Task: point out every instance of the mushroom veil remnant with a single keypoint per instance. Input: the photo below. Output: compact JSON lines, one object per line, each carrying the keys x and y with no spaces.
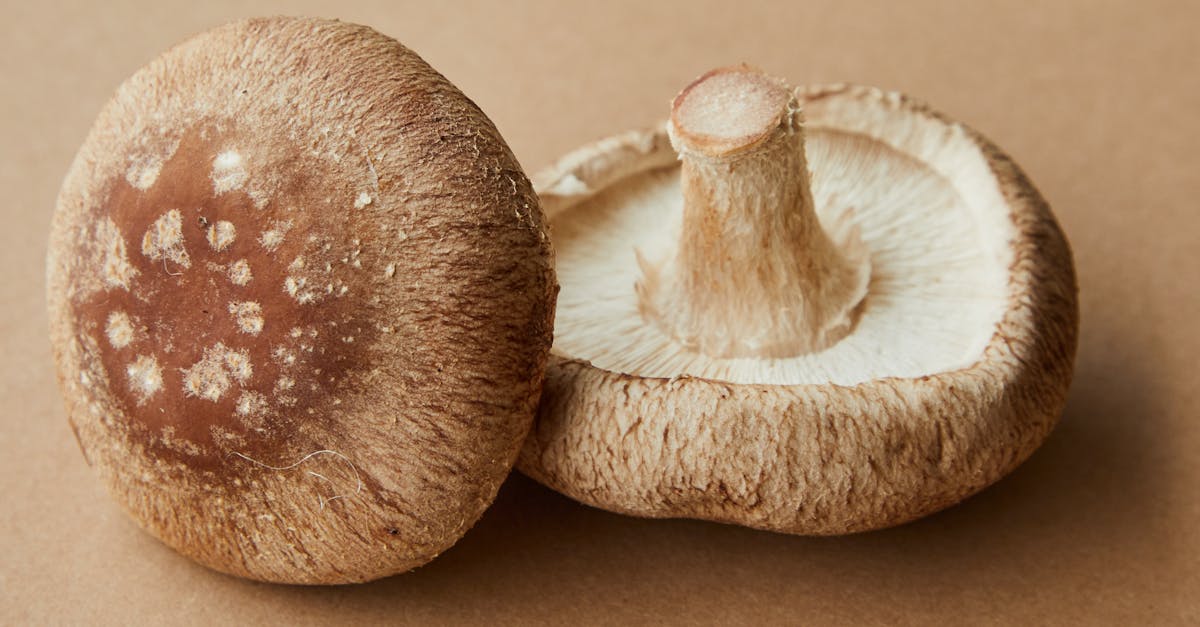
{"x":813,"y":311}
{"x":301,"y":301}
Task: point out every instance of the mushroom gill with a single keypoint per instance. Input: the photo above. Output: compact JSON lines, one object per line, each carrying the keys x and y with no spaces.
{"x":737,"y":264}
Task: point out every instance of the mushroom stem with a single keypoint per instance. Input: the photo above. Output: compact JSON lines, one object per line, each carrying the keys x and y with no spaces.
{"x":754,"y":274}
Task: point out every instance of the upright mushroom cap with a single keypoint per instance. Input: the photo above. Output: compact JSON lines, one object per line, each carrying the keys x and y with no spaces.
{"x":301,"y":302}
{"x":814,"y":311}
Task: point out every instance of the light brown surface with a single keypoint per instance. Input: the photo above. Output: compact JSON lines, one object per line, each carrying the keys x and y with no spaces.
{"x":307,"y":445}
{"x":1097,"y":102}
{"x":803,"y":455}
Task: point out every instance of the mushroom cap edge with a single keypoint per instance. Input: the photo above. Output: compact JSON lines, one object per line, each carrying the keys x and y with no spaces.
{"x":813,"y":459}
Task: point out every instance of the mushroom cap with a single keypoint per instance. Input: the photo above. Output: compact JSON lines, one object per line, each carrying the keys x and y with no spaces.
{"x":932,"y":397}
{"x":301,"y":302}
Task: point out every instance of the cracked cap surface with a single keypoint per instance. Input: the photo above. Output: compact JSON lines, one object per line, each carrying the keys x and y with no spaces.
{"x":301,"y":301}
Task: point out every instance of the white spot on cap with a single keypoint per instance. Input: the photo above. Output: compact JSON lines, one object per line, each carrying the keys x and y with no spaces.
{"x":238,"y":364}
{"x":251,"y":404}
{"x":114,"y":263}
{"x":146,"y":165}
{"x":221,"y":235}
{"x":143,"y":172}
{"x":228,"y":172}
{"x":239,"y":272}
{"x":164,"y":239}
{"x":248,"y":315}
{"x":273,"y":237}
{"x":283,"y":355}
{"x":390,"y":270}
{"x":363,"y":200}
{"x":145,"y":377}
{"x":296,"y":288}
{"x":119,"y":329}
{"x":210,"y":377}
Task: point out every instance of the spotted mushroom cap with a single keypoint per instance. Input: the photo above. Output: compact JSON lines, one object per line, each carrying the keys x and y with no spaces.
{"x":956,"y":369}
{"x":301,"y":302}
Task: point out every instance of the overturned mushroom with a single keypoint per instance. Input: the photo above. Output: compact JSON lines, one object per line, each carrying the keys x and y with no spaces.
{"x":301,"y":302}
{"x":739,"y":342}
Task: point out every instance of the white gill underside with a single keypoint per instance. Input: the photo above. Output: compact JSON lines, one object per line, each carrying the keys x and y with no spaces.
{"x":936,"y":293}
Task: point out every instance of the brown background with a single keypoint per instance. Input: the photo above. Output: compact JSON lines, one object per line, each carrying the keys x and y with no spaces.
{"x":1100,"y":103}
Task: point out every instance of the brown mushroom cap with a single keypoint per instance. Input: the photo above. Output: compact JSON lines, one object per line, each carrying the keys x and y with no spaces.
{"x":301,"y":302}
{"x":936,"y":392}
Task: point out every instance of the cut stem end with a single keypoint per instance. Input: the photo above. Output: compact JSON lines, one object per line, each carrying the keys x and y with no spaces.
{"x":754,"y":274}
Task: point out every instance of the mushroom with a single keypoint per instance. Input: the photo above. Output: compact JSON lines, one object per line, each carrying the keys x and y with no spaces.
{"x":301,"y":302}
{"x":742,"y":341}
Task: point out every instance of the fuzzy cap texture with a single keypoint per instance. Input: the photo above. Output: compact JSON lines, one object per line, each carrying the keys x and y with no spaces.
{"x":819,"y":458}
{"x":301,"y":301}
